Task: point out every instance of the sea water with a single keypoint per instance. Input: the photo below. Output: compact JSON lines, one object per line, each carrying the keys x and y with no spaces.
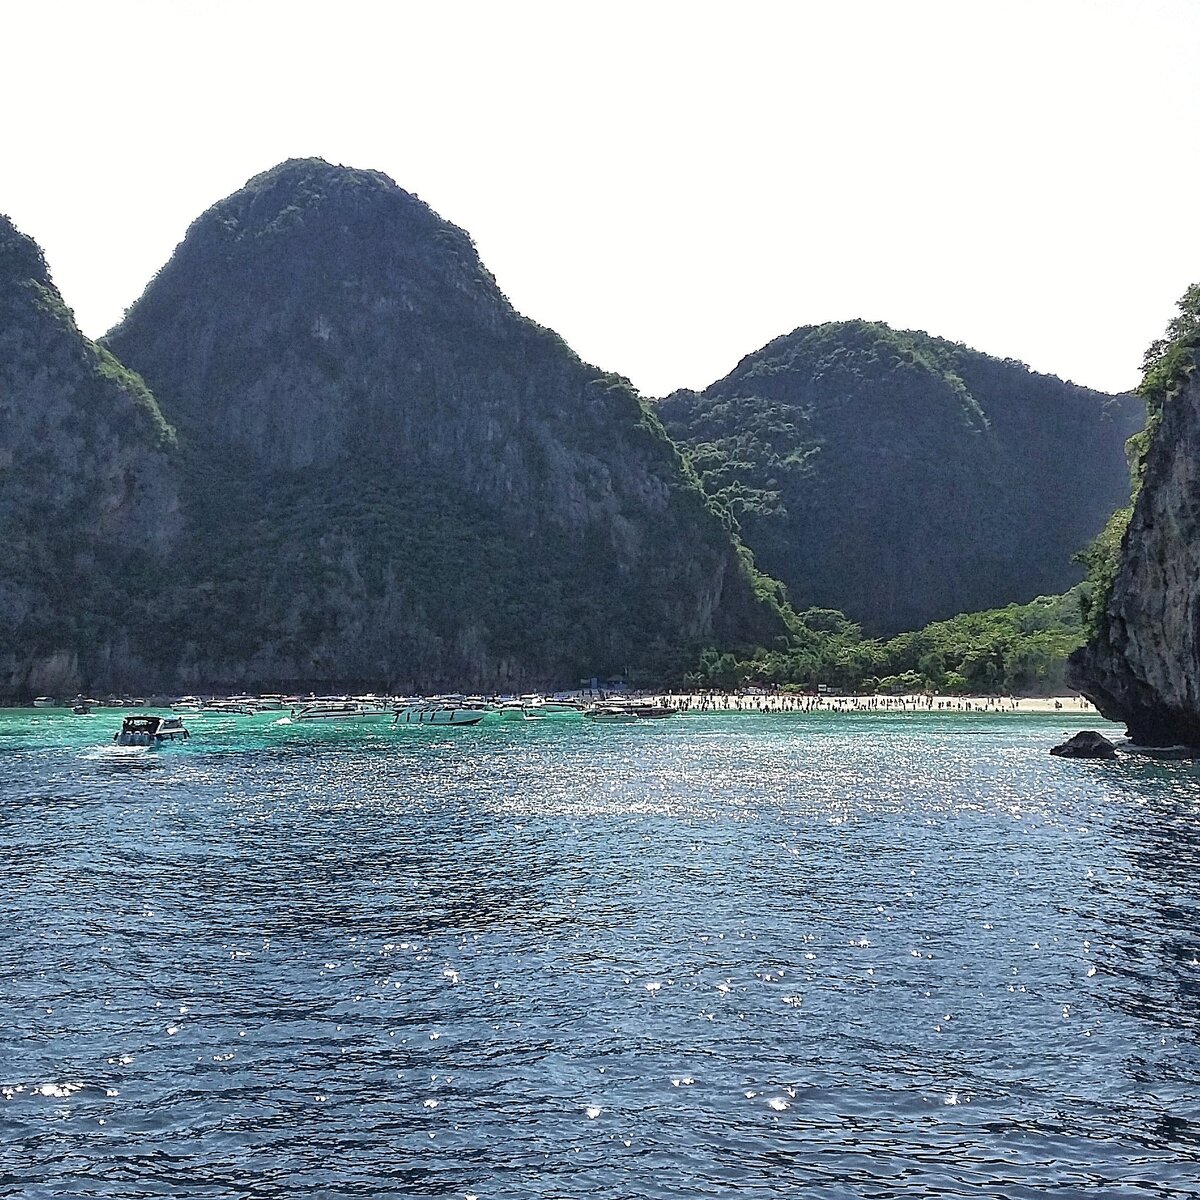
{"x":860,"y":955}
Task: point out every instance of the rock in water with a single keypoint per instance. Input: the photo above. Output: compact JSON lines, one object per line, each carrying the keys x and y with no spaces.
{"x":1142,"y":664}
{"x":393,"y":477}
{"x":89,"y":506}
{"x":1087,"y":743}
{"x":903,"y":478}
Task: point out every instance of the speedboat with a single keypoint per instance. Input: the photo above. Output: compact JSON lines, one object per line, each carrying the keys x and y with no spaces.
{"x":533,"y":708}
{"x":629,"y":710}
{"x":230,"y":705}
{"x":45,"y":702}
{"x":338,"y":710}
{"x":243,"y":705}
{"x":431,"y":713}
{"x":150,"y":731}
{"x":551,"y":707}
{"x":610,"y":712}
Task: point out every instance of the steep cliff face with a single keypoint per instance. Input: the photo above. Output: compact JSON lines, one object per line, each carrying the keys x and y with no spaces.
{"x":1142,"y":665}
{"x":393,"y":477}
{"x":88,"y":496}
{"x":903,"y":478}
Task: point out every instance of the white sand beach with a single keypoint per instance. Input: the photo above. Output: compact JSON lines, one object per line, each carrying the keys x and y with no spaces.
{"x":827,"y":702}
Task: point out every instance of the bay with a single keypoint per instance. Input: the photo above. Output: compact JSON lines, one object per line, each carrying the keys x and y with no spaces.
{"x":871,"y":954}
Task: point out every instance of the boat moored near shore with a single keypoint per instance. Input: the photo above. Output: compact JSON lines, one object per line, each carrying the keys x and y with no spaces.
{"x":533,"y":707}
{"x":339,"y":710}
{"x":432,"y":713}
{"x":630,"y":710}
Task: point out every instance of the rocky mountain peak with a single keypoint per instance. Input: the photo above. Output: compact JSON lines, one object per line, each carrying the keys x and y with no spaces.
{"x":406,"y":468}
{"x":21,"y":258}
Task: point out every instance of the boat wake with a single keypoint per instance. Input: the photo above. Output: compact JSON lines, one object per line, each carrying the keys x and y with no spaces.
{"x":115,"y":754}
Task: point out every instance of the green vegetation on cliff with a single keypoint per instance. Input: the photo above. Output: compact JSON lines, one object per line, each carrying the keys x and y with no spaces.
{"x":88,"y":501}
{"x":901,"y":477}
{"x":1168,"y":364}
{"x":1169,"y":361}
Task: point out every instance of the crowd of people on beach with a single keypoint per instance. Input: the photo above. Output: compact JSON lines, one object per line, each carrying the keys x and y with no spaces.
{"x":716,"y":701}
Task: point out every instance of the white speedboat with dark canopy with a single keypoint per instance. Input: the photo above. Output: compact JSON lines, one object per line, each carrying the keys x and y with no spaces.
{"x":630,"y":710}
{"x":431,"y":712}
{"x":146,"y":730}
{"x":532,"y":708}
{"x":339,"y":710}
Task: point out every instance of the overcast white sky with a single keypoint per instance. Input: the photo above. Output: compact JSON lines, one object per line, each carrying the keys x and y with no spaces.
{"x":668,"y":185}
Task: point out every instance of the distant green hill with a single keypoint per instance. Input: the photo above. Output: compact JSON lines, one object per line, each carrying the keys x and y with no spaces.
{"x":391,"y":478}
{"x":903,"y":478}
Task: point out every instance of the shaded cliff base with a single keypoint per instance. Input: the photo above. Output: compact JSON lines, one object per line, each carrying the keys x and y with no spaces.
{"x":1149,"y":721}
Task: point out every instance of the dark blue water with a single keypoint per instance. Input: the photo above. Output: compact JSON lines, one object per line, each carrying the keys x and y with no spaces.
{"x":752,"y":956}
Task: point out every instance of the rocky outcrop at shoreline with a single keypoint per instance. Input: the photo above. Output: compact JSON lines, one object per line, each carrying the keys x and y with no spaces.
{"x":1087,"y":743}
{"x":1142,"y":665}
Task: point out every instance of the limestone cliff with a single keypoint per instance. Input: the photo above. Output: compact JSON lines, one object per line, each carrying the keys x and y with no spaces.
{"x":1142,"y":664}
{"x":393,"y":478}
{"x":88,"y":498}
{"x":903,"y":478}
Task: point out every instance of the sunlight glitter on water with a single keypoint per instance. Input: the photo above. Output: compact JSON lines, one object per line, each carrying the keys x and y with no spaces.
{"x":742,"y":943}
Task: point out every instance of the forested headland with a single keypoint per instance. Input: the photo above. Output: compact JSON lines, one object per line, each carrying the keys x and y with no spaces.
{"x":322,"y":451}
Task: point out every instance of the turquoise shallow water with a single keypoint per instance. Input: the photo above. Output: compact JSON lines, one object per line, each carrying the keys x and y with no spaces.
{"x":755,"y":956}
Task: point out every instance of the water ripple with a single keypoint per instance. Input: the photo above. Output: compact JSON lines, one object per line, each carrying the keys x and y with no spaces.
{"x":718,"y":956}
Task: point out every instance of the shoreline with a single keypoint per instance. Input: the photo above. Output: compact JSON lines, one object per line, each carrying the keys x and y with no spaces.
{"x":850,"y":703}
{"x":744,"y":702}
